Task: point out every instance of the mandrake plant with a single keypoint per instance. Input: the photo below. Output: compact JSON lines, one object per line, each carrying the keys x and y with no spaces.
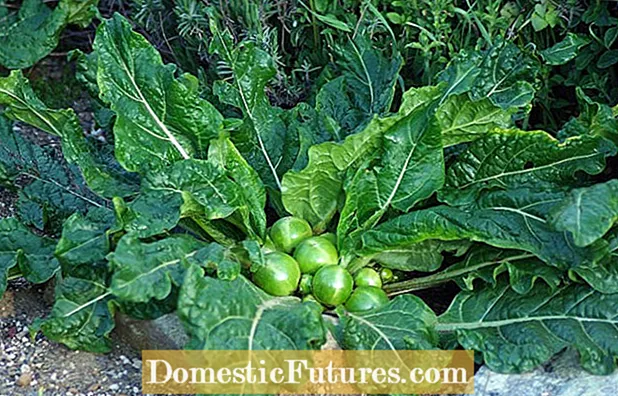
{"x":254,"y":223}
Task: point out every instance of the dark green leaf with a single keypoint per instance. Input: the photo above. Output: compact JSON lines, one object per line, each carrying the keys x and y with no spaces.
{"x":262,"y":135}
{"x":159,"y":119}
{"x":510,"y":220}
{"x":31,"y":34}
{"x":84,"y":240}
{"x":143,"y":271}
{"x":237,"y":315}
{"x":365,"y":87}
{"x":410,"y":169}
{"x":514,"y":159}
{"x":404,"y":323}
{"x":607,"y":59}
{"x":587,"y":213}
{"x":566,"y":50}
{"x":33,"y":255}
{"x":516,"y":333}
{"x":101,"y":173}
{"x":89,"y":326}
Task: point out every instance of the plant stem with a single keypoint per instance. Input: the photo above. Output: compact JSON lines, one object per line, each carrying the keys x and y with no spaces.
{"x":427,"y":282}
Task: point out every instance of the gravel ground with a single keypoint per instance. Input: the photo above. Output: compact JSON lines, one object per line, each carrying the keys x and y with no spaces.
{"x":40,"y":367}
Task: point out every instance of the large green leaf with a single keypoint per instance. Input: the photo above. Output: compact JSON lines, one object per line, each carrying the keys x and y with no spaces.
{"x":516,"y":333}
{"x":364,"y":87}
{"x":594,"y":119}
{"x":85,"y":241}
{"x":410,"y":169}
{"x":603,"y":275}
{"x":314,"y":192}
{"x":32,"y":33}
{"x":102,"y":175}
{"x":425,"y":256}
{"x":262,"y":136}
{"x":199,"y":189}
{"x":223,"y":153}
{"x":513,"y":159}
{"x":32,"y":254}
{"x":91,"y":316}
{"x":143,"y":271}
{"x":237,"y":315}
{"x":566,"y":50}
{"x":587,"y":213}
{"x":504,"y":74}
{"x":510,"y":219}
{"x":462,"y":120}
{"x":486,"y":264}
{"x":160,"y":119}
{"x":402,"y":324}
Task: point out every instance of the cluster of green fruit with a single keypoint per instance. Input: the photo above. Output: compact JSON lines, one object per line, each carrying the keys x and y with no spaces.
{"x":296,"y":261}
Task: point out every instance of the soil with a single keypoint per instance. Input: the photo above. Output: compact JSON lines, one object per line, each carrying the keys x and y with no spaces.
{"x":36,"y":366}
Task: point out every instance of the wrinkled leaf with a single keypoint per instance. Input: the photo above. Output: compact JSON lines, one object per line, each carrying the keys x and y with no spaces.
{"x":404,"y":323}
{"x":237,"y":315}
{"x":462,"y":120}
{"x":314,"y":192}
{"x":143,"y":271}
{"x":513,"y":159}
{"x":84,"y":240}
{"x":410,"y":169}
{"x":516,"y":333}
{"x":88,"y":328}
{"x":587,"y":213}
{"x":34,"y":32}
{"x":101,"y":174}
{"x":160,"y":119}
{"x":261,"y":138}
{"x":509,"y":220}
{"x":33,"y":255}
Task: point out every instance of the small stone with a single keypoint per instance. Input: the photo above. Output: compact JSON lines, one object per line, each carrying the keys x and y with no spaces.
{"x":114,"y":387}
{"x":25,"y":379}
{"x":94,"y":387}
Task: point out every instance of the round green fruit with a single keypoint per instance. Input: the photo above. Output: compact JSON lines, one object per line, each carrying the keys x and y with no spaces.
{"x":332,"y":285}
{"x":365,"y":298}
{"x":332,"y":238}
{"x":279,"y":276}
{"x":386,"y":274}
{"x":315,"y":253}
{"x":305,"y":284}
{"x":288,"y":232}
{"x":368,"y":277}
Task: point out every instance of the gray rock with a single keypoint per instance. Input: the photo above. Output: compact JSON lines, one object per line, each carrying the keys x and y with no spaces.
{"x":562,"y":376}
{"x":165,"y":332}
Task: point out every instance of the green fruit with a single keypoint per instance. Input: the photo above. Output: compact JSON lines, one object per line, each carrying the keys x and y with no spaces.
{"x":386,"y":274}
{"x":288,"y":232}
{"x":269,"y":245}
{"x":332,"y":285}
{"x":279,"y":276}
{"x":368,"y":277}
{"x":365,"y":298}
{"x":315,"y":253}
{"x":332,"y":238}
{"x":305,"y":284}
